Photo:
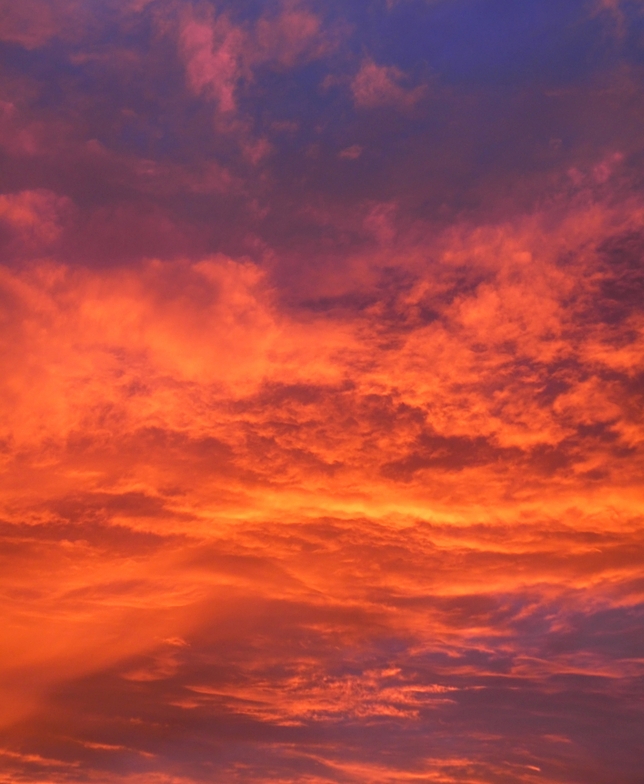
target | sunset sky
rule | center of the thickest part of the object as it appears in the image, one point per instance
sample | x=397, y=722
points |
x=322, y=392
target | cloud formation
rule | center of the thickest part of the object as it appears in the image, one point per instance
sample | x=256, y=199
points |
x=380, y=85
x=221, y=57
x=321, y=393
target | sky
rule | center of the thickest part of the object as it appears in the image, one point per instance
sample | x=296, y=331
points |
x=321, y=391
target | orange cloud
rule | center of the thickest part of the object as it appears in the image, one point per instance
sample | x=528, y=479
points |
x=357, y=518
x=320, y=437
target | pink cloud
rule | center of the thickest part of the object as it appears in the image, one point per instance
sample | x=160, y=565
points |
x=22, y=133
x=33, y=218
x=220, y=55
x=293, y=36
x=351, y=153
x=214, y=55
x=380, y=221
x=159, y=177
x=380, y=85
x=32, y=23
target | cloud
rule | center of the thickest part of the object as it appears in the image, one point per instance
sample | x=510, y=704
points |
x=381, y=85
x=220, y=56
x=423, y=625
x=32, y=219
x=320, y=437
x=380, y=221
x=87, y=623
x=351, y=153
x=295, y=35
x=213, y=52
x=34, y=22
x=494, y=353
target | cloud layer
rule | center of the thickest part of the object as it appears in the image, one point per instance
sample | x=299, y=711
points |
x=321, y=403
